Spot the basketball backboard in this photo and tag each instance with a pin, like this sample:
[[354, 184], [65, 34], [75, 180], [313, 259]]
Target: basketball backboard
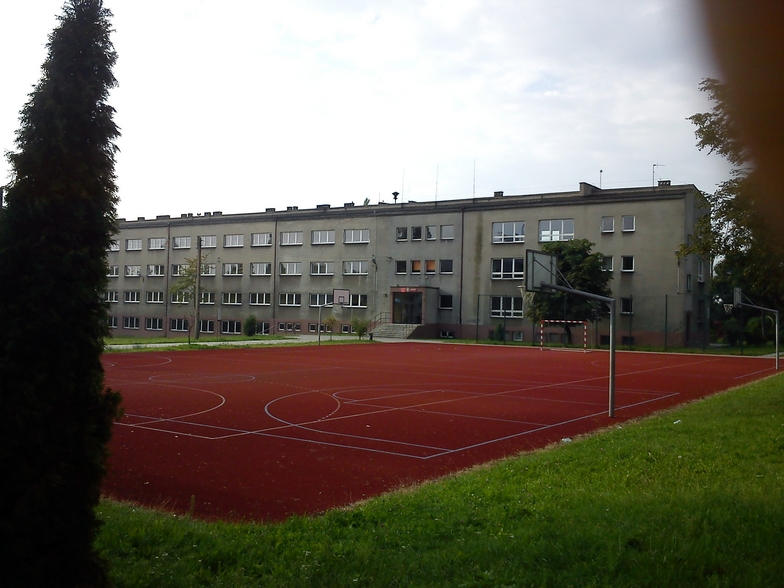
[[540, 267], [341, 297]]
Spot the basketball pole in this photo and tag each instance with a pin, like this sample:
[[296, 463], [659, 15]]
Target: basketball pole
[[611, 303], [738, 301]]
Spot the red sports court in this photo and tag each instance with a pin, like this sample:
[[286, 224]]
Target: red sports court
[[265, 433]]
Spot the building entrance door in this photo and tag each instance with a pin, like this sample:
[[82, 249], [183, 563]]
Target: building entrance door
[[407, 308]]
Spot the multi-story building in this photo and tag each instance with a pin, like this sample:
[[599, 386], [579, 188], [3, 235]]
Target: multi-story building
[[451, 268]]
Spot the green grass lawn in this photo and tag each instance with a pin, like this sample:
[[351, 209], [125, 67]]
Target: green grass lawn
[[691, 497]]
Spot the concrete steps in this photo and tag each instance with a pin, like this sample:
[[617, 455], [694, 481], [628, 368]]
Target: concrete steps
[[393, 331]]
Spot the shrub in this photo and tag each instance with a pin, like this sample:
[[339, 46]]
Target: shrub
[[249, 327], [360, 326], [732, 332]]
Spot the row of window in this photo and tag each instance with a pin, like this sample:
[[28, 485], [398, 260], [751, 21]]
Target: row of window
[[232, 298], [553, 229], [350, 236], [502, 232], [227, 327], [430, 233], [286, 268]]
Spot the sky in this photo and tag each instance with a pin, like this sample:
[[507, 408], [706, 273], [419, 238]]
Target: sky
[[240, 105]]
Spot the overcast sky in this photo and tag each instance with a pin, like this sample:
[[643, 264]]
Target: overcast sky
[[240, 105]]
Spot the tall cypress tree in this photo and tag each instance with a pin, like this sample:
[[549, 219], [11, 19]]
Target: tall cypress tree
[[59, 218]]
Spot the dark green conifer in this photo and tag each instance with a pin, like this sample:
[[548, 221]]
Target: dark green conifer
[[55, 228]]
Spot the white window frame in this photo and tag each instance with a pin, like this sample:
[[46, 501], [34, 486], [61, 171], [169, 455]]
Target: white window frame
[[113, 271], [431, 232], [357, 301], [356, 236], [177, 269], [500, 271], [355, 268], [208, 269], [154, 297], [206, 298], [607, 267], [133, 244], [206, 326], [318, 299], [401, 234], [627, 305], [114, 245], [624, 259], [156, 243], [180, 297], [405, 266], [231, 327], [232, 269], [209, 241], [508, 232], [178, 325], [441, 269], [414, 232], [322, 237], [181, 242], [608, 227], [447, 232], [628, 227], [111, 296], [156, 270], [261, 239], [261, 268], [288, 238], [132, 296], [259, 298], [322, 268], [556, 229], [231, 298], [506, 306], [430, 267], [234, 240], [111, 321], [290, 268], [131, 323], [289, 299], [133, 271], [700, 271], [153, 324]]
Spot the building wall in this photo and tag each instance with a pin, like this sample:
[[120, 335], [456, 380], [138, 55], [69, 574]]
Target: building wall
[[451, 243]]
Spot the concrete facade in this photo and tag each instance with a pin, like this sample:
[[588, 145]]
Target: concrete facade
[[453, 267]]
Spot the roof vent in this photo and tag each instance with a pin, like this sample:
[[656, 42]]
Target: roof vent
[[498, 194], [665, 182], [162, 216], [290, 208], [217, 213], [271, 209], [138, 218], [322, 206], [348, 204]]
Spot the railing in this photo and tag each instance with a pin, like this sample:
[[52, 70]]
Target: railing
[[380, 318]]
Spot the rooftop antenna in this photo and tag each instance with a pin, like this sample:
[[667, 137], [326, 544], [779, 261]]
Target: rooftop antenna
[[653, 174], [600, 178], [474, 193], [394, 196], [437, 182]]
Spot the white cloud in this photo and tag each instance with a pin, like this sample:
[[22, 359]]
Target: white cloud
[[243, 105]]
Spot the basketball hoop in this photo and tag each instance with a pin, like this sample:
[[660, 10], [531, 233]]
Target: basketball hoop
[[728, 308]]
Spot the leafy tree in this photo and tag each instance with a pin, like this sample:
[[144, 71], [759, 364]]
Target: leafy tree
[[330, 323], [55, 230], [735, 233], [583, 271], [186, 287], [360, 326]]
